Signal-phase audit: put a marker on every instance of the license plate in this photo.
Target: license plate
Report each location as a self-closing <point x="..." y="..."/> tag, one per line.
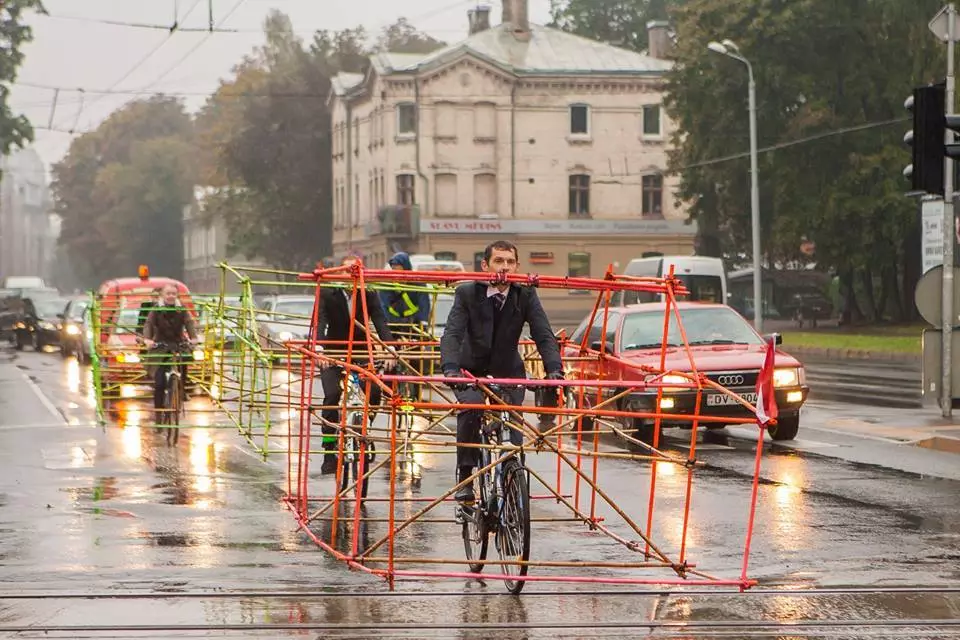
<point x="722" y="400"/>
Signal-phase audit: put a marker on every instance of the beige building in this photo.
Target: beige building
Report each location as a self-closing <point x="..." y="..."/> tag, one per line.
<point x="521" y="132"/>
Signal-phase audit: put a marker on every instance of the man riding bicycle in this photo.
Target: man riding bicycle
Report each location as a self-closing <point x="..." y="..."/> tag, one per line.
<point x="482" y="337"/>
<point x="163" y="332"/>
<point x="333" y="324"/>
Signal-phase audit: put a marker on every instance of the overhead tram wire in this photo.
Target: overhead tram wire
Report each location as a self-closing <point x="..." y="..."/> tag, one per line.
<point x="139" y="63"/>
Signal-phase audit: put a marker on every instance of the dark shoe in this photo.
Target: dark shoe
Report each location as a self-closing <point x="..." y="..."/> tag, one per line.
<point x="329" y="464"/>
<point x="465" y="495"/>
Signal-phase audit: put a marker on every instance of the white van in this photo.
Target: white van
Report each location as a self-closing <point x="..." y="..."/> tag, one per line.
<point x="24" y="282"/>
<point x="426" y="262"/>
<point x="703" y="277"/>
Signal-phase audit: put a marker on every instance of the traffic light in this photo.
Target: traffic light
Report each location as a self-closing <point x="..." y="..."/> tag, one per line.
<point x="927" y="137"/>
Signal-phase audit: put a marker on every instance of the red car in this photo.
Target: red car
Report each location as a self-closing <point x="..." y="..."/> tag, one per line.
<point x="724" y="346"/>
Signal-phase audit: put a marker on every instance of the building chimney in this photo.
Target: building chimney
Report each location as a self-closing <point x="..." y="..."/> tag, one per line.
<point x="659" y="43"/>
<point x="479" y="18"/>
<point x="515" y="13"/>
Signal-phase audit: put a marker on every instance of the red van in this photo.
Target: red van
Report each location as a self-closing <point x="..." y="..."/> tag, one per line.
<point x="119" y="329"/>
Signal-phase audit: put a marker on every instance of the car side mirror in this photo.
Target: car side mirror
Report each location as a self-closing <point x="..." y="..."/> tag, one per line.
<point x="775" y="338"/>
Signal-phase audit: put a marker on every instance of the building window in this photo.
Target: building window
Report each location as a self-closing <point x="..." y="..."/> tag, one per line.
<point x="356" y="202"/>
<point x="578" y="266"/>
<point x="579" y="119"/>
<point x="356" y="136"/>
<point x="446" y="120"/>
<point x="652" y="196"/>
<point x="406" y="119"/>
<point x="484" y="194"/>
<point x="484" y="121"/>
<point x="445" y="255"/>
<point x="406" y="195"/>
<point x="651" y="121"/>
<point x="446" y="204"/>
<point x="478" y="261"/>
<point x="579" y="195"/>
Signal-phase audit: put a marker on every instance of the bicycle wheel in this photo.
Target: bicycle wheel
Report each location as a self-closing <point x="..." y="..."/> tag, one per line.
<point x="351" y="457"/>
<point x="513" y="532"/>
<point x="174" y="408"/>
<point x="476" y="534"/>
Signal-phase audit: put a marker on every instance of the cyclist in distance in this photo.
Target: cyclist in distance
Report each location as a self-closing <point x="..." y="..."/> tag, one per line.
<point x="482" y="337"/>
<point x="164" y="331"/>
<point x="333" y="324"/>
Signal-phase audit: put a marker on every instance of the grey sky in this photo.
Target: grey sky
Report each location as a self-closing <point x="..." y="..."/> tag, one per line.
<point x="71" y="50"/>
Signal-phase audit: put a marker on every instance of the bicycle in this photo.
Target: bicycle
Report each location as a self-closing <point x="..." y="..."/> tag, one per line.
<point x="503" y="504"/>
<point x="355" y="387"/>
<point x="175" y="392"/>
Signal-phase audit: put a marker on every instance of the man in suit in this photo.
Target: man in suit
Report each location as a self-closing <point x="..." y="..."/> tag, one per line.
<point x="333" y="325"/>
<point x="482" y="337"/>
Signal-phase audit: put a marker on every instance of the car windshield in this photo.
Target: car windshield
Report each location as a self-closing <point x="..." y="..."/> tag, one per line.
<point x="709" y="325"/>
<point x="49" y="307"/>
<point x="442" y="307"/>
<point x="294" y="308"/>
<point x="78" y="309"/>
<point x="127" y="320"/>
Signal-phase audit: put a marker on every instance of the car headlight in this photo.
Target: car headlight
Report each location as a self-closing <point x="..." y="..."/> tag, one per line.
<point x="786" y="377"/>
<point x="73" y="330"/>
<point x="199" y="354"/>
<point x="128" y="358"/>
<point x="674" y="379"/>
<point x="47" y="326"/>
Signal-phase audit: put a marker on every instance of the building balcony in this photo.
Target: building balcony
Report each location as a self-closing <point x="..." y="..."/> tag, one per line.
<point x="400" y="222"/>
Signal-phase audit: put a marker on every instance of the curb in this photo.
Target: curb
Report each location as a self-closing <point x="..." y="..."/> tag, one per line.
<point x="947" y="444"/>
<point x="853" y="354"/>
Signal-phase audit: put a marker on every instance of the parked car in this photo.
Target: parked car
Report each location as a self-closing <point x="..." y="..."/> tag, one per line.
<point x="282" y="318"/>
<point x="723" y="345"/>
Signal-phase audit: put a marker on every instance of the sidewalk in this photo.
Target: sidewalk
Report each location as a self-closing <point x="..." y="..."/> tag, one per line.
<point x="923" y="427"/>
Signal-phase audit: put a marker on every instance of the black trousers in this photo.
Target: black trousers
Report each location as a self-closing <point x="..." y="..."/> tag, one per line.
<point x="331" y="379"/>
<point x="468" y="424"/>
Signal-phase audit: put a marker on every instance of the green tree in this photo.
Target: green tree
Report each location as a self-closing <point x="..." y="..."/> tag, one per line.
<point x="265" y="139"/>
<point x="267" y="133"/>
<point x="403" y="37"/>
<point x="619" y="22"/>
<point x="823" y="68"/>
<point x="15" y="130"/>
<point x="121" y="189"/>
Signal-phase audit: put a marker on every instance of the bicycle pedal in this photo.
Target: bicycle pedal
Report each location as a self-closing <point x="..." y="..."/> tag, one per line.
<point x="459" y="516"/>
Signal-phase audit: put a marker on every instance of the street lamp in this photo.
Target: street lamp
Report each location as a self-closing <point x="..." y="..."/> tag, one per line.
<point x="729" y="49"/>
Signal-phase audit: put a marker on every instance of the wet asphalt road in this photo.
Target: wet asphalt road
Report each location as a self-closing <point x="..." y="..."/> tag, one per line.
<point x="97" y="510"/>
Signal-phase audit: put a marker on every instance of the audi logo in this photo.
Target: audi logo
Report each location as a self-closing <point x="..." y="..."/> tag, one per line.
<point x="730" y="381"/>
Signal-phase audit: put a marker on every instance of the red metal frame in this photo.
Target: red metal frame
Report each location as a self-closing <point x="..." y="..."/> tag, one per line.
<point x="359" y="358"/>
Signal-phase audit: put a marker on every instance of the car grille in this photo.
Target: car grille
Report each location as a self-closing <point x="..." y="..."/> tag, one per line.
<point x="734" y="378"/>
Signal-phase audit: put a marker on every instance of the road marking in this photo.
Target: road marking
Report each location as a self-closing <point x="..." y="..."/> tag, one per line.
<point x="44" y="400"/>
<point x="58" y="425"/>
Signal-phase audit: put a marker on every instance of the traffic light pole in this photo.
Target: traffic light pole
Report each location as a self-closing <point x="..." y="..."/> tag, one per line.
<point x="946" y="382"/>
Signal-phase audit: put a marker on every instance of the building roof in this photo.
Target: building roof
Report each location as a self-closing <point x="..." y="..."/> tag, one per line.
<point x="344" y="82"/>
<point x="547" y="52"/>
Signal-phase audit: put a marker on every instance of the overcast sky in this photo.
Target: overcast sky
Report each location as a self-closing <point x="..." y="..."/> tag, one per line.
<point x="72" y="50"/>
